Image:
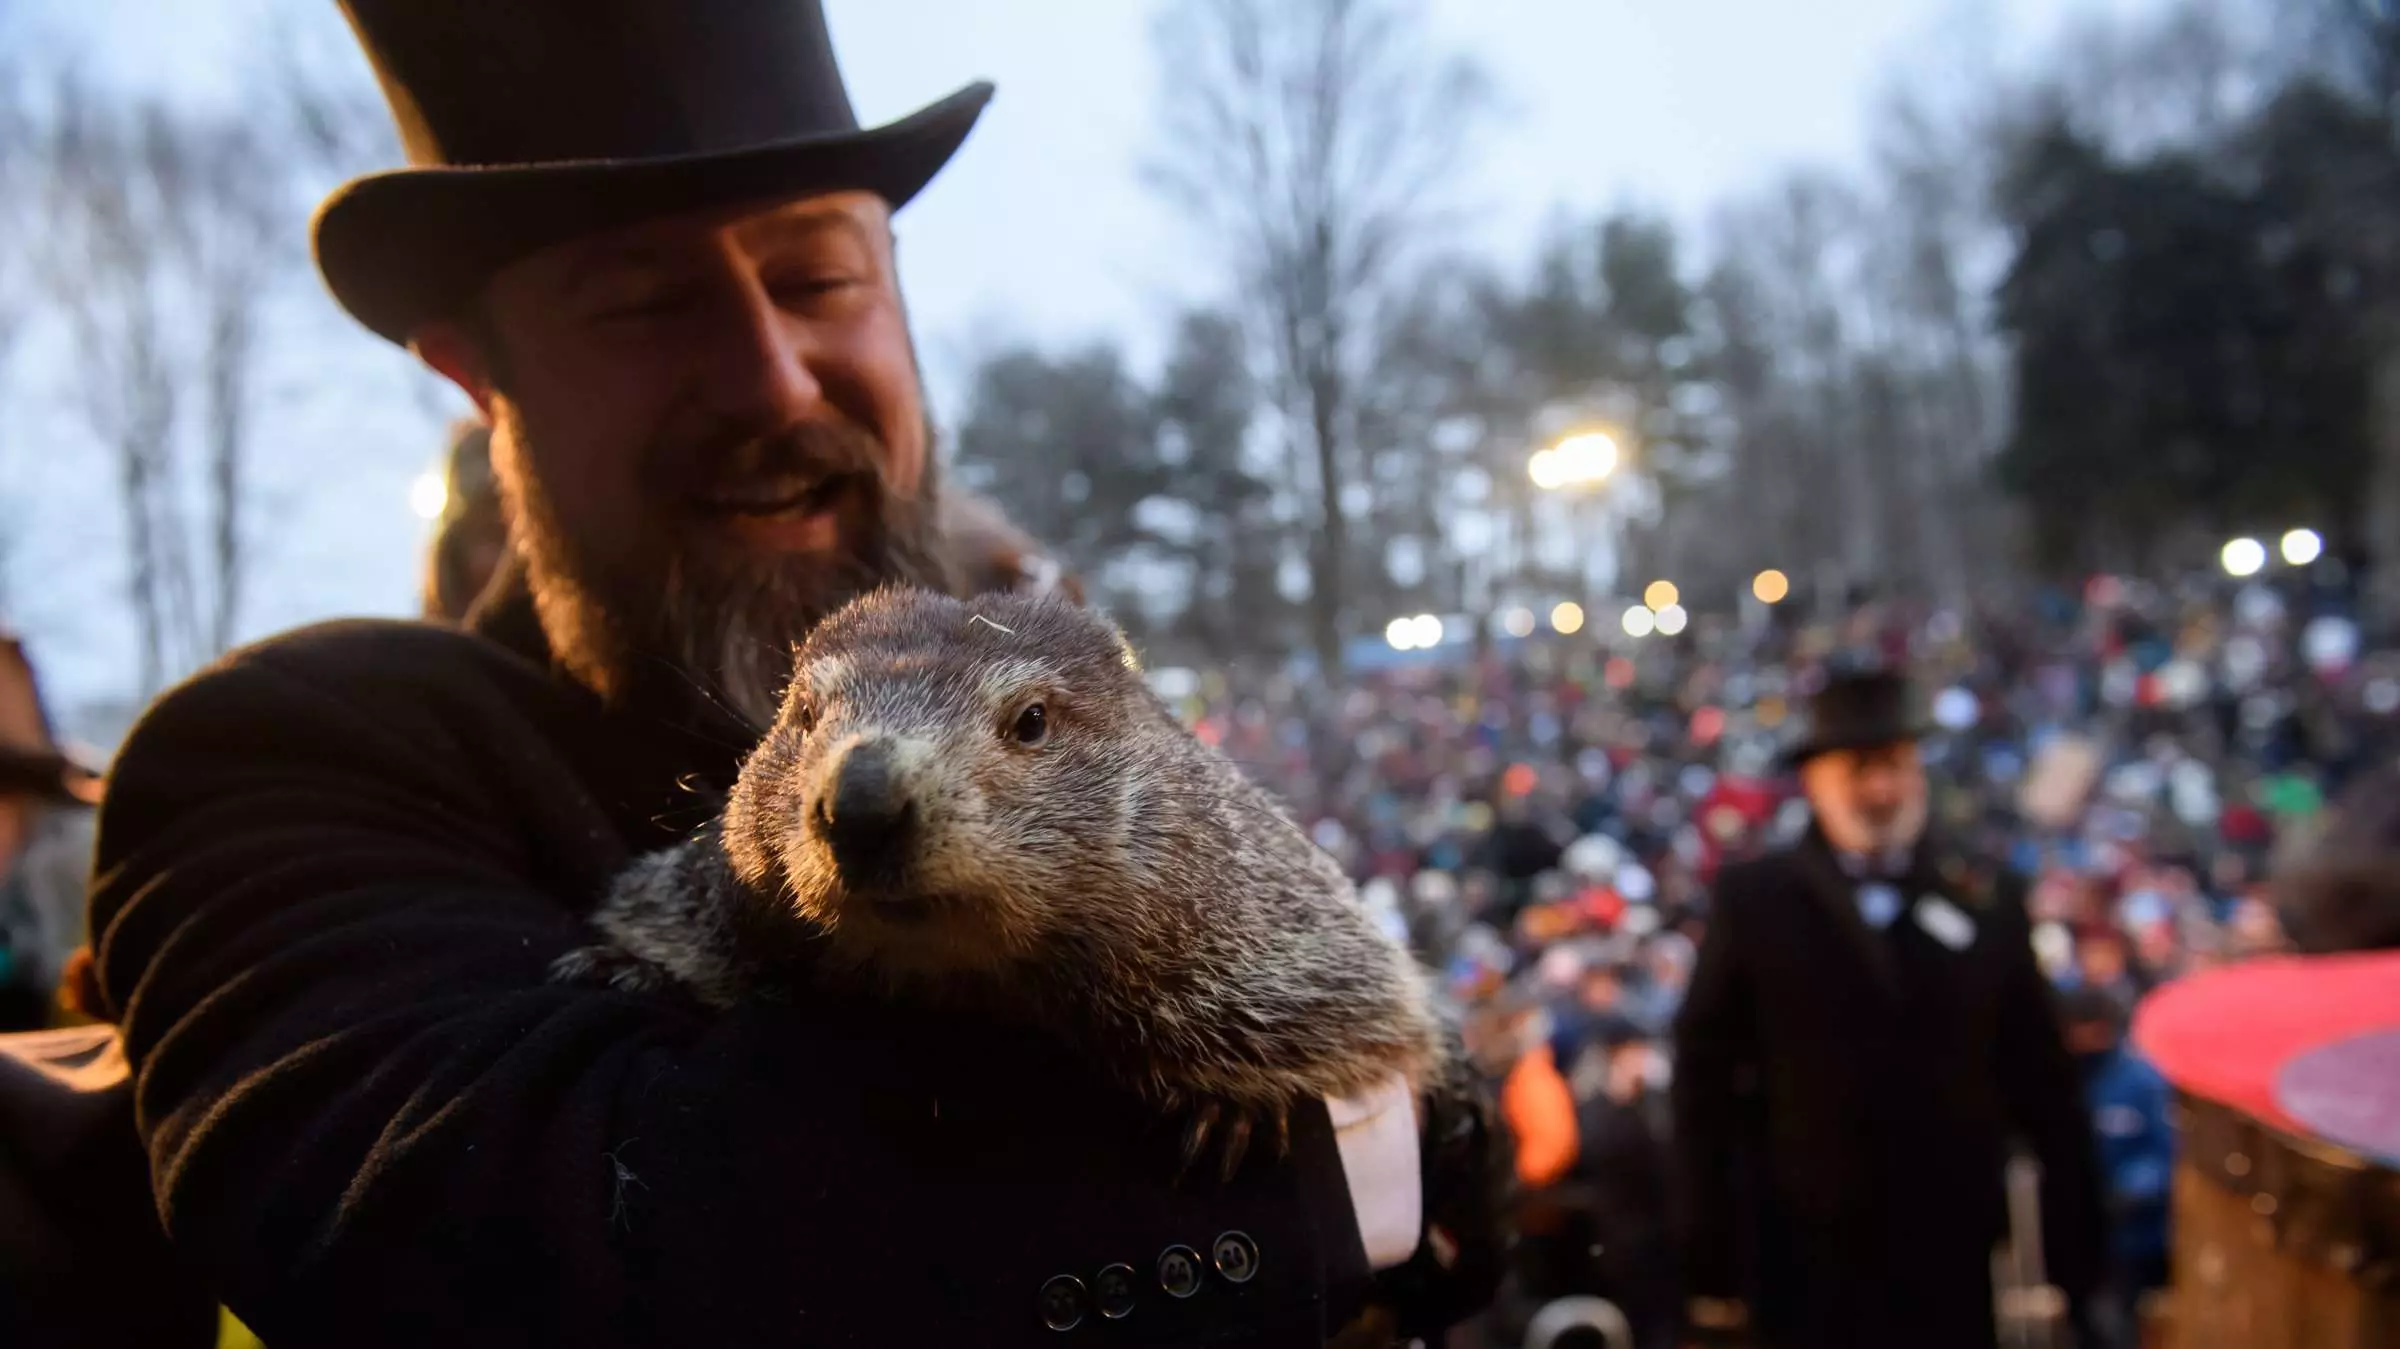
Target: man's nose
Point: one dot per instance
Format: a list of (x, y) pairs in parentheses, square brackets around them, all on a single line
[(756, 367)]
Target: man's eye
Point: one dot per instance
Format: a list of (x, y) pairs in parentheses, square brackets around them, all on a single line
[(644, 305), (815, 286)]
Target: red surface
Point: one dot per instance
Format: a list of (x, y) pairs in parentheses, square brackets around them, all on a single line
[(2226, 1034)]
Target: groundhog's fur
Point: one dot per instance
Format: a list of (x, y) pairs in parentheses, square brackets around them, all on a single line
[(1119, 879)]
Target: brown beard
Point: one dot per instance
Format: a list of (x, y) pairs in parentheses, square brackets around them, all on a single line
[(710, 618)]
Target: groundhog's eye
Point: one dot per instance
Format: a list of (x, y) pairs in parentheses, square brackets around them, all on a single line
[(1032, 726)]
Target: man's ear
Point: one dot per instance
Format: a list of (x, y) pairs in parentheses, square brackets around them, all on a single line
[(458, 357)]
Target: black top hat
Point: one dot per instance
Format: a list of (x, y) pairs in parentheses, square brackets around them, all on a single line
[(1856, 710), (529, 122)]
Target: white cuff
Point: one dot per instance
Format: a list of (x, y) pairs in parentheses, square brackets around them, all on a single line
[(1377, 1135)]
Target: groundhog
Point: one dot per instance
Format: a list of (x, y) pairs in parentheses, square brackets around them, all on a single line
[(983, 800)]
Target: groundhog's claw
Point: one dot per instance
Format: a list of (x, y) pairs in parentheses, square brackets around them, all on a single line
[(1226, 1129), (612, 967)]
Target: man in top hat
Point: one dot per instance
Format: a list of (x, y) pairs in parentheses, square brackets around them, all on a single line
[(1865, 1034), (648, 239), (471, 538), (45, 847)]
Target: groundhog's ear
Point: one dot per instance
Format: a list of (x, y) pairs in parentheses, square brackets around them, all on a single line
[(991, 554)]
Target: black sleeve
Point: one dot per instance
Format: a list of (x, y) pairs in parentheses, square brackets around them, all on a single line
[(1716, 1053), (2044, 1095), (324, 913)]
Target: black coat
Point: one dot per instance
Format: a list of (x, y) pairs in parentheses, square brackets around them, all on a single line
[(333, 873), (1844, 1099)]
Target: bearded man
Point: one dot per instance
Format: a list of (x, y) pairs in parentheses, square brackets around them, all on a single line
[(1865, 1034), (648, 239)]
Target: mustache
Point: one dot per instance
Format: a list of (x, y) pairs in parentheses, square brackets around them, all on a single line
[(819, 449)]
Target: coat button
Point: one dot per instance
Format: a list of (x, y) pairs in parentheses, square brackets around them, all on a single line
[(1112, 1292), (1063, 1302), (1179, 1271), (1237, 1257)]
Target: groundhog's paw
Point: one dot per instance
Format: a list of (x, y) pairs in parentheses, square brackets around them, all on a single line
[(1220, 1133), (614, 967)]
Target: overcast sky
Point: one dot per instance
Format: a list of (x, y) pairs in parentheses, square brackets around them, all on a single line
[(1042, 227)]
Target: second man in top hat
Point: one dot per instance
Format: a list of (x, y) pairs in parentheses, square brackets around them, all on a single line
[(1864, 1037)]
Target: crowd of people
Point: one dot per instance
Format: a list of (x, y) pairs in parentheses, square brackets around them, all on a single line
[(1543, 818)]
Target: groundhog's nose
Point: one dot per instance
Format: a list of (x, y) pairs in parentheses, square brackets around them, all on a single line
[(867, 818)]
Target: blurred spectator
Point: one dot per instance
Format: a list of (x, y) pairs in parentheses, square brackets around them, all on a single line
[(1538, 1111), (2344, 894), (1535, 1103), (45, 849), (2103, 966), (1622, 1163), (2130, 1119), (472, 535)]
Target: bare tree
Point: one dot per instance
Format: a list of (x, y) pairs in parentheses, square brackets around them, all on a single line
[(1310, 141), (168, 233), (19, 296), (107, 259), (231, 236)]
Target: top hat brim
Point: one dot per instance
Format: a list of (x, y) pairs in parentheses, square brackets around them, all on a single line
[(410, 245), (1862, 738), (48, 776)]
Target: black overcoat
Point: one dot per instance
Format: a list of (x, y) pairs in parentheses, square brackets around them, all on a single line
[(333, 872), (1845, 1099)]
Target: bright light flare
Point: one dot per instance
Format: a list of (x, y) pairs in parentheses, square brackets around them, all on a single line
[(2243, 557), (1771, 586), (1517, 622), (1421, 632), (1567, 618), (1577, 461), (1661, 595), (2303, 546), (1639, 621), (428, 495), (1547, 473), (1672, 620)]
